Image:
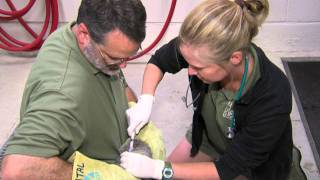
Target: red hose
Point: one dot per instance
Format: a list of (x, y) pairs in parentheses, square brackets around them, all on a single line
[(12, 44), (15, 14), (16, 45), (163, 30)]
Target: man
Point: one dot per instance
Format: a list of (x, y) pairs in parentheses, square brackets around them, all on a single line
[(75, 97)]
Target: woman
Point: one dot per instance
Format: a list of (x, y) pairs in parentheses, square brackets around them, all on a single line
[(241, 125)]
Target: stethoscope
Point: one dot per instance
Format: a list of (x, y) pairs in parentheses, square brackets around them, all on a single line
[(231, 128), (185, 98)]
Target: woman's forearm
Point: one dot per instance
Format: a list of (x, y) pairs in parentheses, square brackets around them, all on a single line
[(199, 170), (151, 78)]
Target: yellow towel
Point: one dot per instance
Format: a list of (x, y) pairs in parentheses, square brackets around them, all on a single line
[(85, 168)]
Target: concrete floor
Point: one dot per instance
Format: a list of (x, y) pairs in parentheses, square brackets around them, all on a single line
[(169, 112)]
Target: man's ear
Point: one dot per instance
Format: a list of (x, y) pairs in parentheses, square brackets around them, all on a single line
[(83, 35), (236, 58)]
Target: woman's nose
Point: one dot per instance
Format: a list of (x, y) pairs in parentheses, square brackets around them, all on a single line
[(191, 71)]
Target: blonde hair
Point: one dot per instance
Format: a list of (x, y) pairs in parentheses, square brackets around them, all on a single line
[(224, 26)]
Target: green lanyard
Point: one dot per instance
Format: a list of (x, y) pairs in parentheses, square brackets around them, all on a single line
[(231, 128)]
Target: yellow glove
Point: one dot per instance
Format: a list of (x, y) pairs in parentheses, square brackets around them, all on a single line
[(85, 168)]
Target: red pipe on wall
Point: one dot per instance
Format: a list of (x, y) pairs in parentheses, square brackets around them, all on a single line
[(9, 43), (12, 44), (163, 30), (14, 14)]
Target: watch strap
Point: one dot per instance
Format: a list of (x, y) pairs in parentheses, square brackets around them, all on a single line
[(167, 172)]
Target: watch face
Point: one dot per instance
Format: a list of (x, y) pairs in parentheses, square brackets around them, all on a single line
[(167, 173)]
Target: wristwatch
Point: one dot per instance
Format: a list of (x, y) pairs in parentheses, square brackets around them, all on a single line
[(167, 172)]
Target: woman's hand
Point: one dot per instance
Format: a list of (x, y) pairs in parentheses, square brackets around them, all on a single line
[(139, 114), (141, 166)]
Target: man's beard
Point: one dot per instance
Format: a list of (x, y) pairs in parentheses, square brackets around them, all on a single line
[(91, 54)]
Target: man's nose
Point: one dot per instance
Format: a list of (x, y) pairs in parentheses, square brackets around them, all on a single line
[(191, 71)]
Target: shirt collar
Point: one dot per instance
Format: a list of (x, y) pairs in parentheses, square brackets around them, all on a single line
[(71, 41)]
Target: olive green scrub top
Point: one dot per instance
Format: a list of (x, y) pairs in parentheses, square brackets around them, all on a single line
[(70, 105), (216, 112)]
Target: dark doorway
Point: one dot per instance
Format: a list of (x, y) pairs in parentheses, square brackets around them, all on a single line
[(304, 77)]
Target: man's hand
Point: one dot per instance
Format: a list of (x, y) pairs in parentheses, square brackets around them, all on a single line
[(142, 166), (139, 114)]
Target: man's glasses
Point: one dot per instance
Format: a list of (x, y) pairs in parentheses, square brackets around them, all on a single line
[(110, 61)]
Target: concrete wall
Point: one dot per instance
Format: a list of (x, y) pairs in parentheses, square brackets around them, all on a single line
[(291, 26), (291, 30)]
